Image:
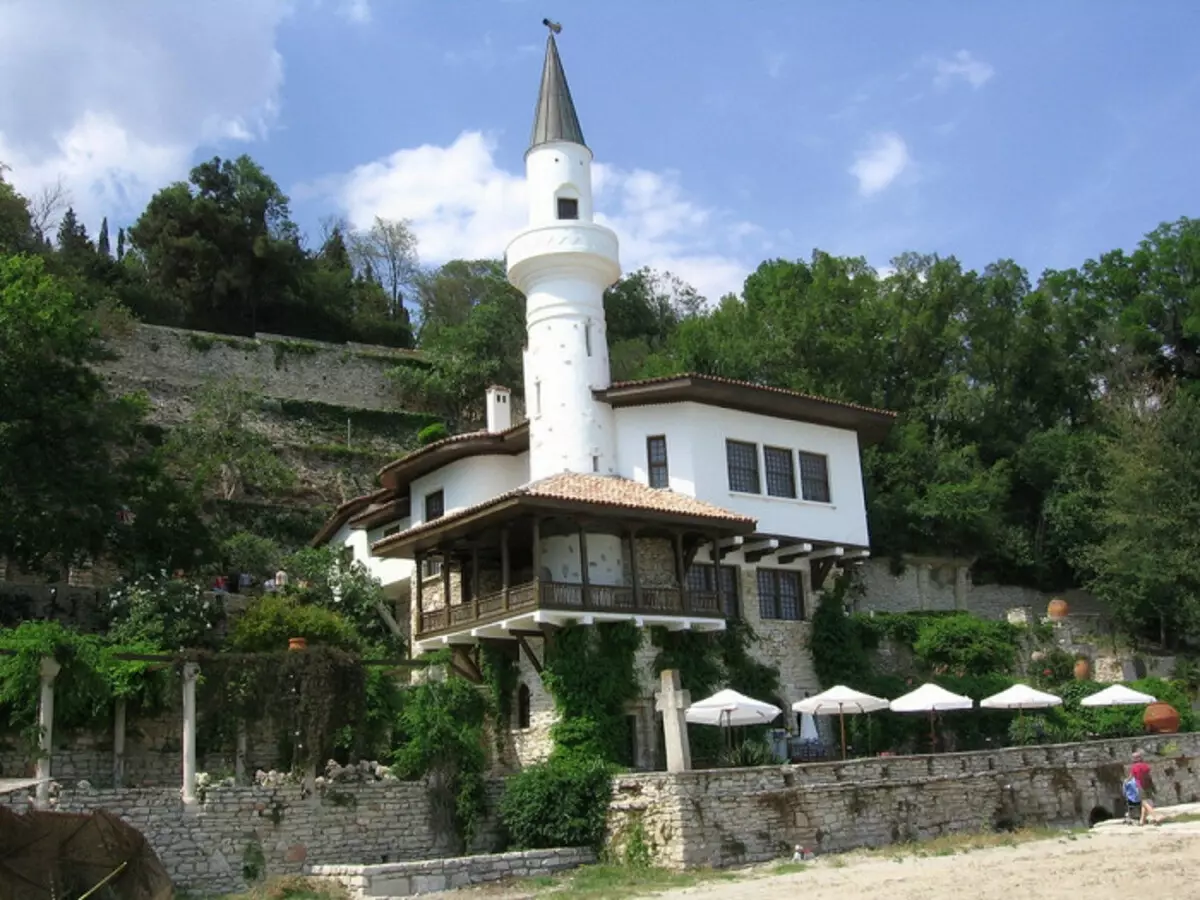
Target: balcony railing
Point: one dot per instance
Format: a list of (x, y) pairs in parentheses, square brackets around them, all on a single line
[(568, 597)]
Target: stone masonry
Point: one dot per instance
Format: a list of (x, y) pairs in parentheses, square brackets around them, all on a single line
[(435, 875), (238, 834), (735, 816)]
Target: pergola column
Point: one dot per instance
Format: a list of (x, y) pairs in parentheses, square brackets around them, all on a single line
[(191, 673), (49, 671)]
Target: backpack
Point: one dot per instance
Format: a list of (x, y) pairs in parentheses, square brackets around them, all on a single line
[(1133, 791)]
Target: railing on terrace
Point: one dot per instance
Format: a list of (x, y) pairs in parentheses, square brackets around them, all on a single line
[(568, 597)]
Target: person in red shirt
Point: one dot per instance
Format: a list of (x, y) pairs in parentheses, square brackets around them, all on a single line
[(1140, 772)]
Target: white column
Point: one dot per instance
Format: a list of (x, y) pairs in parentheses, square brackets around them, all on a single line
[(191, 672), (119, 743), (672, 702), (49, 672)]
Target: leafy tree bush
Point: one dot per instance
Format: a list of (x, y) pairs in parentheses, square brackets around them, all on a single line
[(431, 434), (966, 645), (270, 620), (562, 802), (167, 612)]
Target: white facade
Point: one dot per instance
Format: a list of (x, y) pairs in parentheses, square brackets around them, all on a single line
[(563, 265), (696, 460), (469, 482), (393, 574)]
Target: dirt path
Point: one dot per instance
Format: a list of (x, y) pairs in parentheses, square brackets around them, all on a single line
[(1146, 864)]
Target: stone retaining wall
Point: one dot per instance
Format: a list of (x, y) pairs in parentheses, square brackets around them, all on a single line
[(406, 879), (237, 834), (733, 816)]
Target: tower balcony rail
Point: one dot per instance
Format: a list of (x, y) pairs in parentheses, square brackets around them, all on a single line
[(565, 596)]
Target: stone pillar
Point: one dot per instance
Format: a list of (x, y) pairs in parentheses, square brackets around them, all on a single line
[(49, 672), (961, 586), (923, 572), (119, 742), (191, 672), (672, 702), (239, 755)]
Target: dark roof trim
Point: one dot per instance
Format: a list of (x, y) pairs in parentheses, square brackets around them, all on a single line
[(343, 513), (374, 516), (871, 424), (554, 118), (398, 475)]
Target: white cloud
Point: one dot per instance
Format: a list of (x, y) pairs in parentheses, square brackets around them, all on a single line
[(775, 63), (357, 11), (963, 65), (114, 98), (462, 204), (880, 164)]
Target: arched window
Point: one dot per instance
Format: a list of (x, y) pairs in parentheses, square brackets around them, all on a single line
[(523, 706)]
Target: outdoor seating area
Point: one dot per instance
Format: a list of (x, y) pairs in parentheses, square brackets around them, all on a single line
[(729, 710)]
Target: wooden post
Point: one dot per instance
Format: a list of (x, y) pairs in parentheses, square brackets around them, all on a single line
[(716, 556), (584, 575), (49, 671), (680, 572), (505, 574), (537, 559), (446, 583), (417, 619), (475, 581), (633, 569), (119, 742)]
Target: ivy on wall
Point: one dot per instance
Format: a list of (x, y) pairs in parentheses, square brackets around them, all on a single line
[(589, 670), (500, 673)]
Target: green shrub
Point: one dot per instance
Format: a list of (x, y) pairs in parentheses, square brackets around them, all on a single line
[(559, 803), (272, 619), (749, 754), (432, 433), (966, 645)]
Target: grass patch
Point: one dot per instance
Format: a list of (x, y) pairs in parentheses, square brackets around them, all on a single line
[(290, 887), (788, 868)]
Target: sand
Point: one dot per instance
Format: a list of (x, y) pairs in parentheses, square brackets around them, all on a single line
[(1130, 862)]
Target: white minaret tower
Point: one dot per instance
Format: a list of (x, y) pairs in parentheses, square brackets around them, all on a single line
[(563, 262)]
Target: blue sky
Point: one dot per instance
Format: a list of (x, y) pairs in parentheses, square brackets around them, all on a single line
[(725, 133)]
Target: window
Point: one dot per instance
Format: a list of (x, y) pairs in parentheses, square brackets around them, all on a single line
[(700, 581), (537, 398), (435, 505), (523, 711), (391, 529), (431, 566), (779, 595), (568, 208), (781, 472), (742, 461), (587, 338), (656, 461), (347, 556), (814, 477)]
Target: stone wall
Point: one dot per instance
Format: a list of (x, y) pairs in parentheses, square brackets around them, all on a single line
[(241, 832), (945, 584), (431, 876), (150, 357), (734, 816)]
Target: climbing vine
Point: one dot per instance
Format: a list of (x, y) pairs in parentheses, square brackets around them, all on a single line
[(500, 673), (589, 671)]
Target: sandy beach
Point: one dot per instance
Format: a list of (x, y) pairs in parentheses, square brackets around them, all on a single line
[(1108, 864)]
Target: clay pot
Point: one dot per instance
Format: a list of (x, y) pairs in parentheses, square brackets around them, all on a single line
[(1082, 669), (1057, 609), (1161, 718), (297, 643)]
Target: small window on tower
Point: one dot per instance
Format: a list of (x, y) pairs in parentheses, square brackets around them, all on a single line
[(587, 338), (568, 208)]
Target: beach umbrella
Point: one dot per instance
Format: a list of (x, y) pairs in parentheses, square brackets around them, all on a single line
[(840, 700), (729, 709), (932, 699), (1021, 697), (1118, 695)]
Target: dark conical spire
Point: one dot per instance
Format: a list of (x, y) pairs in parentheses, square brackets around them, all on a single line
[(555, 118)]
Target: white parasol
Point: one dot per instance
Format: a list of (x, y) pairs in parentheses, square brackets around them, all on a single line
[(840, 700), (1118, 695), (932, 699), (732, 710), (1021, 696)]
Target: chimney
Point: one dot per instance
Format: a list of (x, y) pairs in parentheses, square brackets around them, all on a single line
[(499, 408)]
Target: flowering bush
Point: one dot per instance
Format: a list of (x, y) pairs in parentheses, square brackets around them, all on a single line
[(170, 613)]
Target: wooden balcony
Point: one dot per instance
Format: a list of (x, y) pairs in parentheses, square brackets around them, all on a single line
[(563, 597)]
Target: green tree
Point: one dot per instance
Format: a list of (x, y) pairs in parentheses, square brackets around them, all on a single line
[(102, 245), (16, 226)]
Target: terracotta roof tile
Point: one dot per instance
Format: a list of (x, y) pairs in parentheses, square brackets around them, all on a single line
[(599, 490)]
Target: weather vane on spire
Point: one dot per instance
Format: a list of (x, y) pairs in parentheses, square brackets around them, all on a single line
[(554, 27)]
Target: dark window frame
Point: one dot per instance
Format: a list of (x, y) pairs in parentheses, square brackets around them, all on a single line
[(700, 578), (568, 208), (813, 487), (772, 476), (741, 469), (776, 604), (663, 466), (440, 505)]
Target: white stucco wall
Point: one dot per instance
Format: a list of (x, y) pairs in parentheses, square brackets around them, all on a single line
[(468, 482), (696, 438), (389, 571)]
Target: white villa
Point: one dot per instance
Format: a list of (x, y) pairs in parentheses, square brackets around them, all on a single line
[(612, 501)]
